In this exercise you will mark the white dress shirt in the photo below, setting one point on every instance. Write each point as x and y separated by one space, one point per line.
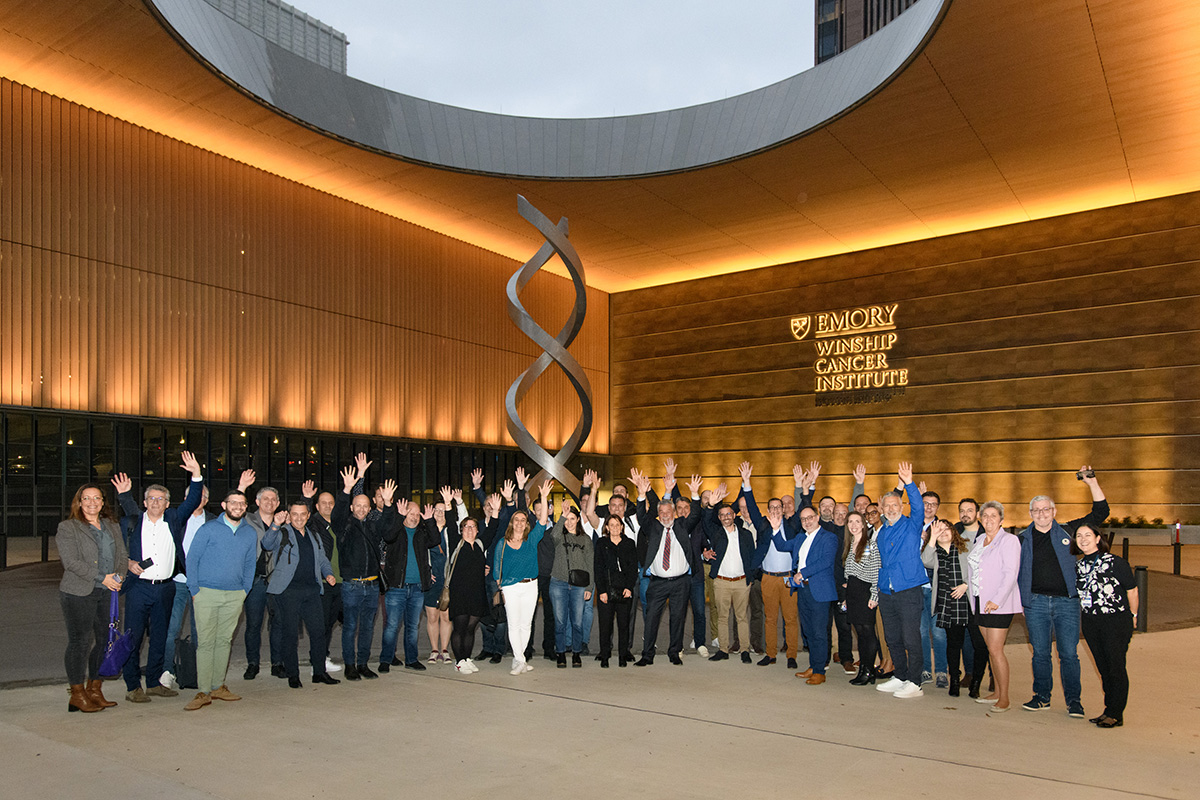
802 556
679 564
731 562
775 561
157 544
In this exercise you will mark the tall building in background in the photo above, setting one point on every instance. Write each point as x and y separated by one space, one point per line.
289 28
844 23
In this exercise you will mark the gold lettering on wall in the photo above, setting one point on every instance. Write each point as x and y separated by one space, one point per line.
852 354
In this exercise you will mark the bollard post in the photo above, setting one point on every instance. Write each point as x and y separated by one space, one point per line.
45 545
1141 578
1178 549
3 550
1125 547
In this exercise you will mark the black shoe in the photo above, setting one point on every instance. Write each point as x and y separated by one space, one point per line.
277 671
746 657
250 673
594 658
792 664
528 654
576 661
416 666
365 672
325 679
604 663
720 655
1109 722
953 691
622 661
676 660
294 683
384 667
862 677
351 673
643 662
549 655
496 658
973 690
397 662
766 661
1094 720
562 660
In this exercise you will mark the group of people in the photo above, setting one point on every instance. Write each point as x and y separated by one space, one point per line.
922 597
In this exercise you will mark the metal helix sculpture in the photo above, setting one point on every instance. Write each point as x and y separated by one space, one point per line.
554 350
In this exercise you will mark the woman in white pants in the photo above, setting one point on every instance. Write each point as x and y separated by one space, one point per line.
515 566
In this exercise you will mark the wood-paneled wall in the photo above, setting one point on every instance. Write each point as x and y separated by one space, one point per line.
143 276
1031 349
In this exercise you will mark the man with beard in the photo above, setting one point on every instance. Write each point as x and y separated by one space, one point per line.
220 572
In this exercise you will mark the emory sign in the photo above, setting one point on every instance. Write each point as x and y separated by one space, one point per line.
852 354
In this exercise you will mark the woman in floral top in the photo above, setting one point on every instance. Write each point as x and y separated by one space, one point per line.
1108 598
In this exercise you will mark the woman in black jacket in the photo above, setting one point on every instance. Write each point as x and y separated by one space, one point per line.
466 570
616 581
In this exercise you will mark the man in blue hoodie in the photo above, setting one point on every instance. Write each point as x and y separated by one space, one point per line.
901 576
220 571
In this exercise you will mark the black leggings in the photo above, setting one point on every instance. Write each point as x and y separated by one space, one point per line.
955 635
87 632
868 645
462 637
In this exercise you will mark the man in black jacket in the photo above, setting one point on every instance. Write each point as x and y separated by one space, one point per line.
408 578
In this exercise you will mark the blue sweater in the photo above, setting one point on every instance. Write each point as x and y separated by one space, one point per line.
520 564
222 557
899 546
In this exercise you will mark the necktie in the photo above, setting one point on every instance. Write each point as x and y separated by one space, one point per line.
666 565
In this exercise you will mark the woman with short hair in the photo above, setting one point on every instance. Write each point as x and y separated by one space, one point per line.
992 566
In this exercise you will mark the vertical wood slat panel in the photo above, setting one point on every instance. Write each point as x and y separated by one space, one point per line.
127 291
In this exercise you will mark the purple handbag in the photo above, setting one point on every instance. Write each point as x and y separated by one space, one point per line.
119 646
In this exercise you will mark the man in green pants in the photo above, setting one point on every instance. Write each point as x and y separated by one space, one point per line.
220 571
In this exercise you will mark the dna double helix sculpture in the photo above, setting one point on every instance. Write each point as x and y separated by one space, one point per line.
554 351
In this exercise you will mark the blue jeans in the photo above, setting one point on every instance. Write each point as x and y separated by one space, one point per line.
406 601
183 598
699 610
259 605
814 617
360 602
568 605
1058 615
931 634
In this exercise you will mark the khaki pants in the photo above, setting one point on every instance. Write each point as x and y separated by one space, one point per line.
217 613
735 595
777 599
711 599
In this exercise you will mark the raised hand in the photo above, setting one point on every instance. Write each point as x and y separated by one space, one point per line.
389 491
904 470
427 513
814 469
308 489
669 467
719 493
121 483
349 478
800 474
361 464
401 505
744 469
522 478
445 493
507 490
247 480
921 487
545 492
191 464
694 485
280 517
457 495
476 478
492 504
860 473
1091 482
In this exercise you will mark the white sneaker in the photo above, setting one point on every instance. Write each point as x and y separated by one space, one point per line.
462 667
909 689
527 667
716 643
517 668
168 680
332 667
892 684
702 651
471 665
691 644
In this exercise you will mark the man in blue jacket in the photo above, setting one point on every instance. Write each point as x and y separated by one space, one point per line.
813 553
155 543
901 576
1047 582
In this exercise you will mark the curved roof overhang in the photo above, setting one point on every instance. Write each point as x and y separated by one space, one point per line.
1005 111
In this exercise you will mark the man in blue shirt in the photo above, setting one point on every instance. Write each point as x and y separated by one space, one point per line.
901 576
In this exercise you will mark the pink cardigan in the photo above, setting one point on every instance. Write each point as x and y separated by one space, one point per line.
998 574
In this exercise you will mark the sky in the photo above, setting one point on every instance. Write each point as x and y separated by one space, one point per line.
579 58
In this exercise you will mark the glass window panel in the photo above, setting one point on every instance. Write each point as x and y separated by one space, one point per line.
276 473
153 455
295 467
49 448
19 445
218 458
76 435
103 456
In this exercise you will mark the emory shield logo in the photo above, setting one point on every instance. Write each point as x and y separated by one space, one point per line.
801 326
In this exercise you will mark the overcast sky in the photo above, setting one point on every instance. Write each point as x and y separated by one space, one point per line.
578 58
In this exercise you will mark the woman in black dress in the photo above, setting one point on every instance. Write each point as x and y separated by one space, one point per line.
466 568
1108 596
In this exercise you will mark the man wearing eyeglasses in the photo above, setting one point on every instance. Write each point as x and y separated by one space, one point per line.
155 543
1047 582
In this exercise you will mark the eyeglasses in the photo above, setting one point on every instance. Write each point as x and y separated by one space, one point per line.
156 499
1046 510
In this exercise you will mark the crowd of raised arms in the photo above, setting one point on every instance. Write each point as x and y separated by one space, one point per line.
914 599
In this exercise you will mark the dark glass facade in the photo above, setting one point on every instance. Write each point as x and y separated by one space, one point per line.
46 455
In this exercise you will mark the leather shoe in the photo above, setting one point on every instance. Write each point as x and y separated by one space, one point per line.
496 658
364 671
384 667
576 661
324 677
294 683
223 693
416 666
162 691
808 673
278 671
604 663
251 672
766 661
643 662
1109 722
562 660
676 660
138 695
816 679
622 660
791 663
397 662
352 673
746 657
720 655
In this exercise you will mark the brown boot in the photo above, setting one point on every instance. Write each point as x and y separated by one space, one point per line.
80 701
93 690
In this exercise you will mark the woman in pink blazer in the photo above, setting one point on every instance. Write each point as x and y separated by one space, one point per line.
992 568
